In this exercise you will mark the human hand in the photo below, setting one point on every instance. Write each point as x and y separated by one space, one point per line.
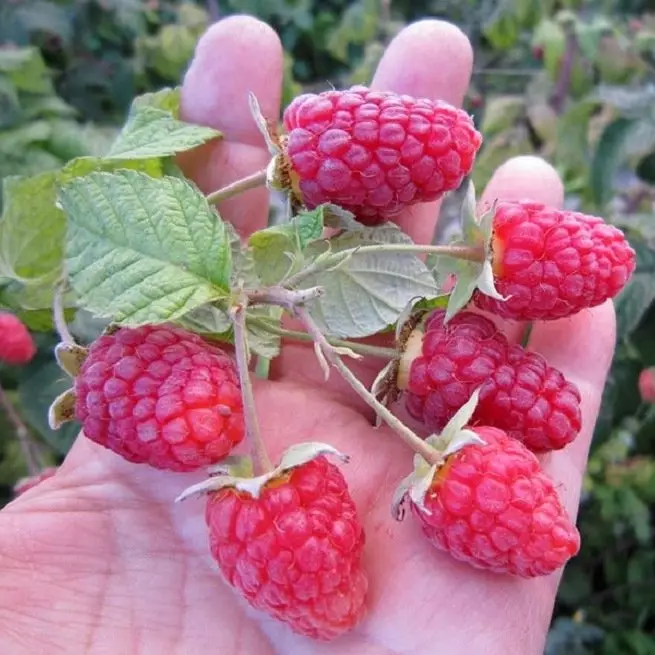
99 559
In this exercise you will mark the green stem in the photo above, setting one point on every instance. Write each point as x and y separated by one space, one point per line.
468 253
58 314
245 184
412 440
359 348
260 460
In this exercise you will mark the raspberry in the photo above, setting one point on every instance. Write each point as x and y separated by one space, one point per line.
375 152
519 392
160 395
25 484
294 551
16 343
551 264
493 507
647 385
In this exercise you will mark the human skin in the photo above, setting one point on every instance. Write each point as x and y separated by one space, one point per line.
98 559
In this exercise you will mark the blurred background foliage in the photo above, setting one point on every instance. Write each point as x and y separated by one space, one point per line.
573 81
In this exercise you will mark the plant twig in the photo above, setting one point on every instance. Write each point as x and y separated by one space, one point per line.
282 297
564 78
30 455
468 253
245 184
359 348
58 314
412 440
261 462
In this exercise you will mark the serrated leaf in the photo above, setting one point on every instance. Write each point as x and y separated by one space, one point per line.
167 100
142 249
151 132
276 249
608 157
371 289
260 341
207 319
32 228
638 295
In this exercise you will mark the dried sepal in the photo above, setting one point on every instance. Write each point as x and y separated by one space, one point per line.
62 409
70 357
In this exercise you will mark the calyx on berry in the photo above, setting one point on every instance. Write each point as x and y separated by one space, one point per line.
471 275
454 437
235 472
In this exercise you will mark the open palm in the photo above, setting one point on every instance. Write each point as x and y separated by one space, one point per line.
98 559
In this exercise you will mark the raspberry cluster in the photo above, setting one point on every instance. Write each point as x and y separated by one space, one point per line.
288 537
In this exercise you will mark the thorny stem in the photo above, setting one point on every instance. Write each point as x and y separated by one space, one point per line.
261 462
359 348
30 455
412 440
468 253
58 315
245 184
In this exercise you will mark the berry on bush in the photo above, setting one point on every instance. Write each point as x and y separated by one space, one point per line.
647 385
519 393
375 152
16 344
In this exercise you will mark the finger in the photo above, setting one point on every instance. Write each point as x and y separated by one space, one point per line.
581 347
235 56
430 59
522 178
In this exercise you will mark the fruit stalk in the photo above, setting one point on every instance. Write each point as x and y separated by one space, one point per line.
261 462
240 186
58 315
468 253
412 440
359 348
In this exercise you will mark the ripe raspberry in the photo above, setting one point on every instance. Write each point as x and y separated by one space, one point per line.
160 395
493 507
25 484
647 385
16 343
294 551
376 152
519 392
551 263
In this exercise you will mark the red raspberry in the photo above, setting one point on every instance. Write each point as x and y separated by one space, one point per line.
519 393
294 551
647 385
551 263
25 484
16 343
376 152
493 507
160 395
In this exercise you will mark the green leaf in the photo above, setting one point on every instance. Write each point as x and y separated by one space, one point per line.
26 70
370 290
32 234
208 319
43 382
276 249
152 132
635 299
167 100
607 159
141 249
